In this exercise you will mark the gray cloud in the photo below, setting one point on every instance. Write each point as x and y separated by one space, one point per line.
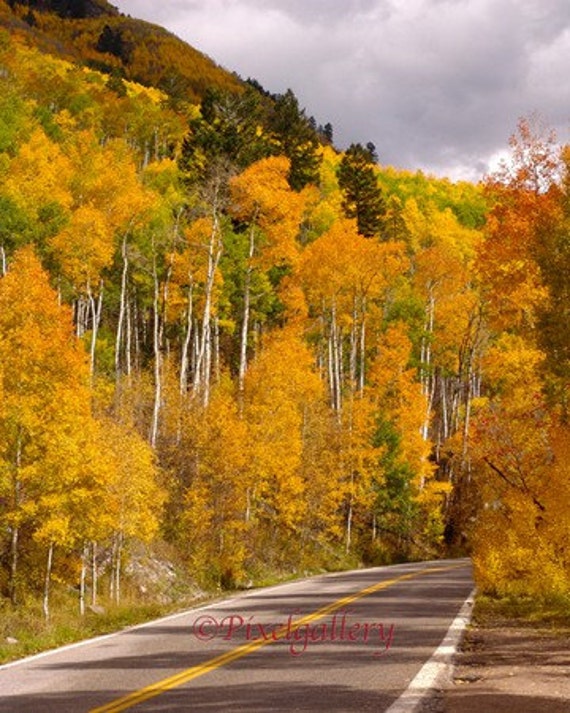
434 84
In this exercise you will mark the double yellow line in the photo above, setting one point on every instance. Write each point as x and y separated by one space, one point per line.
156 689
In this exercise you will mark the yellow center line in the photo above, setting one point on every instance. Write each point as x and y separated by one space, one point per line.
166 684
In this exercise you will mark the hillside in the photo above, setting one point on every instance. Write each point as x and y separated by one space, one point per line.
93 32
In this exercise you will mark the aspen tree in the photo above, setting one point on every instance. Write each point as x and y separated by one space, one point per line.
215 525
45 411
262 200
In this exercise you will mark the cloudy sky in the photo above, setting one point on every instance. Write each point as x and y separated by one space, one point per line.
437 85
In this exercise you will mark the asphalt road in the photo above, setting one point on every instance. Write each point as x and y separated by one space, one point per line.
337 643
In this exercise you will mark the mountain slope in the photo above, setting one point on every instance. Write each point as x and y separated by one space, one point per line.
95 33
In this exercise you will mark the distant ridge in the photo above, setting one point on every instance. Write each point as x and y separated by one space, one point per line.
76 9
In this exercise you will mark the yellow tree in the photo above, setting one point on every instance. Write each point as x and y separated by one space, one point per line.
526 207
347 279
215 524
37 182
45 418
282 392
262 200
39 174
451 340
109 203
324 524
519 448
518 436
409 504
133 495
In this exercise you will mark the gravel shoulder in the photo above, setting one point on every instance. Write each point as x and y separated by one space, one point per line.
512 667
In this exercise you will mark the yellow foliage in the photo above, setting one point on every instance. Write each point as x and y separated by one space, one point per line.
133 496
85 246
342 265
39 174
261 196
281 384
49 470
398 395
215 517
520 451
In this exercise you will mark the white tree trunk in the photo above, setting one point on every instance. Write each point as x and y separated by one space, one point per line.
246 311
203 362
122 309
184 359
47 582
96 305
83 578
94 578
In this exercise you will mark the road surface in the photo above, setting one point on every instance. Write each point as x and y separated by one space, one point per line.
344 642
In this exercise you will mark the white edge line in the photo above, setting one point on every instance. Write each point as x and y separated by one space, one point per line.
177 615
436 672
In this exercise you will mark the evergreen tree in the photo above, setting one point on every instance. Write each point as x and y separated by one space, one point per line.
297 138
228 130
111 42
327 132
363 197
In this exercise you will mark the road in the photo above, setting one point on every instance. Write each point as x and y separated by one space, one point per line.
344 642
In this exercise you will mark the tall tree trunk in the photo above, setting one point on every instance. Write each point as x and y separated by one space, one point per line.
128 337
14 550
246 311
349 527
96 305
80 317
94 578
331 367
157 349
333 362
353 355
83 578
467 418
362 373
15 533
122 309
444 413
425 356
184 359
204 358
119 555
336 352
113 565
115 578
427 380
47 582
217 358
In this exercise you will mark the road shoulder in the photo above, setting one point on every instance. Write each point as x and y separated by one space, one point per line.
509 666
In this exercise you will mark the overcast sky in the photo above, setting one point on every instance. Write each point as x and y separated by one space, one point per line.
437 85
